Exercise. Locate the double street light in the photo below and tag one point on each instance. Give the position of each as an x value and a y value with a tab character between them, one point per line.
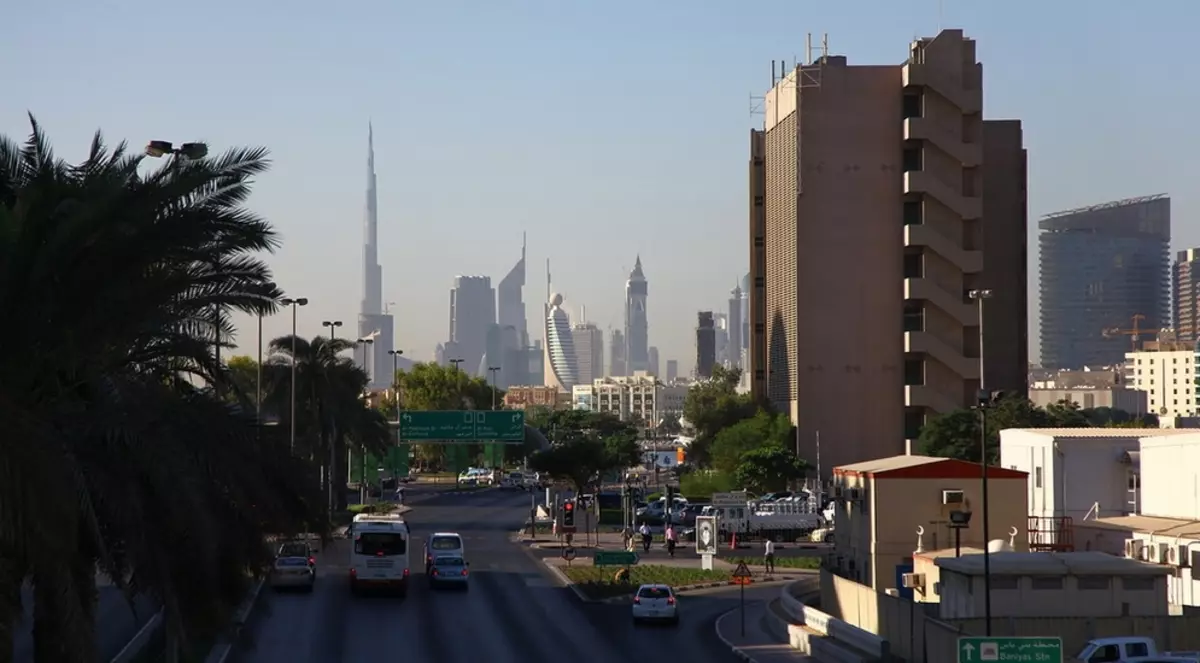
295	303
985	399
333	325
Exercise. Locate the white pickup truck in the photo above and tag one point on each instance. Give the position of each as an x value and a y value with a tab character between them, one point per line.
1131	649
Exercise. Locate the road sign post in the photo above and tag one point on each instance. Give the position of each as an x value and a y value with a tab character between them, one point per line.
568	554
741	575
996	650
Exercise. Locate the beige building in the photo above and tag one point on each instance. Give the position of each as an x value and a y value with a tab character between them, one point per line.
1045	584
885	198
881	503
1117	398
524	396
639	397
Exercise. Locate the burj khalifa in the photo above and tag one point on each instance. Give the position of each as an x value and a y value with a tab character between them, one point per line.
373	322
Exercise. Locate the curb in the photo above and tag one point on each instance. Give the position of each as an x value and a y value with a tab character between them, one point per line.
562	577
737	651
139	641
222	650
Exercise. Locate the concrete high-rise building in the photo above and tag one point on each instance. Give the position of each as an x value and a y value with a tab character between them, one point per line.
1185	274
637	327
616	351
589	351
472	315
733	351
864	174
654	365
721	325
706	344
561	370
672	370
509	342
745	317
1100	267
373	321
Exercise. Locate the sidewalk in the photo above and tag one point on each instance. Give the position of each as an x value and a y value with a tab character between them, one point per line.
757	645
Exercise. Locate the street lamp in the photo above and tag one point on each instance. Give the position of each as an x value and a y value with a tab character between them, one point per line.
364	343
959	520
161	148
295	303
333	325
456	362
493	370
395	381
984	399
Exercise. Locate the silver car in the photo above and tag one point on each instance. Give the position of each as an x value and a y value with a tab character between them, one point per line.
295	566
449	570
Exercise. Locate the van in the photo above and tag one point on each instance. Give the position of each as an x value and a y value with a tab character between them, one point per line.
440	544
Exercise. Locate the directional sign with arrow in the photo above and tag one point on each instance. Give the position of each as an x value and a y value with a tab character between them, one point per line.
994	649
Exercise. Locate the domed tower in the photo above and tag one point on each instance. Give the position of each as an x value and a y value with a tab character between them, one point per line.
637	328
561	370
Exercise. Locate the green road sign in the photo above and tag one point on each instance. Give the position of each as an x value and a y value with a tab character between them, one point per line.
460	426
614	558
500	425
1014	650
452	425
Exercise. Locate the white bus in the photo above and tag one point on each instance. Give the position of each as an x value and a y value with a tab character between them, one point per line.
379	558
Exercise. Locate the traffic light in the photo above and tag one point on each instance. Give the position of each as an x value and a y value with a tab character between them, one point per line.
568	519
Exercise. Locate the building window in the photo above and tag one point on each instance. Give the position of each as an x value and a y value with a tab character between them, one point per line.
914	420
1037	477
760	282
1046	582
911	160
914	316
914	265
913	104
1137	583
760	242
1093	582
914	372
1005	582
758	201
913	213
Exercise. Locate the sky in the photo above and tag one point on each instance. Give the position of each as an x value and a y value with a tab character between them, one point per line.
603	129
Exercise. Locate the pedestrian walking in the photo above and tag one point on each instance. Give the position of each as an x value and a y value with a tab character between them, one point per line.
647	538
769	556
671	540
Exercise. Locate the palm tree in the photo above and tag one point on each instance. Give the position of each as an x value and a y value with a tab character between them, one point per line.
113	459
330	407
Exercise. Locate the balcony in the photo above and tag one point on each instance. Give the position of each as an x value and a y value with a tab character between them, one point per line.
924	75
920	181
970	262
924	129
927	397
928	344
965	313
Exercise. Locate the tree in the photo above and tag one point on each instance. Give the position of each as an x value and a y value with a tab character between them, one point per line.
243	376
431	386
762	430
584	444
769	469
712	406
127	279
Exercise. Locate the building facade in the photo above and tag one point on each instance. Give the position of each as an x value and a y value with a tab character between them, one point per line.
640	397
654	364
589	351
561	370
899	154
756	290
733	351
616	352
672	370
706	344
1167	378
637	325
1104	275
1185	308
472	314
520	397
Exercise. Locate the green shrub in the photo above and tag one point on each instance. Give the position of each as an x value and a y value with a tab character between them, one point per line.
706	483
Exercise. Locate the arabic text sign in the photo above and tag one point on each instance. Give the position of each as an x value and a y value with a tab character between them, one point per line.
1010	650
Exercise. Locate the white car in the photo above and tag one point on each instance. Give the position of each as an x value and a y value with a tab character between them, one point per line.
655	603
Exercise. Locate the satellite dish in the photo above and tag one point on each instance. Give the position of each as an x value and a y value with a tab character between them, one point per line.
999	546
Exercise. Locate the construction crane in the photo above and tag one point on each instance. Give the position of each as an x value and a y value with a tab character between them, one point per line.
1134	332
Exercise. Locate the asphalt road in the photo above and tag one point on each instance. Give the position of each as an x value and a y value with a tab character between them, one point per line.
116	623
514	611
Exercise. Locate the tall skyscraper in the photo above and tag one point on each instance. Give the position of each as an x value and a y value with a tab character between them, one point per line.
511	335
721	325
653	365
1101	266
637	330
617	367
561	370
589	351
706	344
372	321
900	154
472	314
672	370
733	352
1186	304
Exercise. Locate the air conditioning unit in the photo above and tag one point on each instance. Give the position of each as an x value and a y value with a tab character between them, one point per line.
1133	548
1158	553
953	497
855	494
913	581
1179	555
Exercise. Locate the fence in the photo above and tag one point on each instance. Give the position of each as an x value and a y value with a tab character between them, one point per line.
916	634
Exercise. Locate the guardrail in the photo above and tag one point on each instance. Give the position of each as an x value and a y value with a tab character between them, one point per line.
836	632
139	641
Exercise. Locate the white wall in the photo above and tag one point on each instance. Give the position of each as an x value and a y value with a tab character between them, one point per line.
1070	473
1171	476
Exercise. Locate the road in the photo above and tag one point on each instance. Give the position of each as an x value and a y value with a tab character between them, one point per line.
116	623
513	613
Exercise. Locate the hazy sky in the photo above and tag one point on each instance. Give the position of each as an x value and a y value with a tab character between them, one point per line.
602	128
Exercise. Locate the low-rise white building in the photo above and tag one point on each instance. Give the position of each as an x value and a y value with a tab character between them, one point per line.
1168	377
640	397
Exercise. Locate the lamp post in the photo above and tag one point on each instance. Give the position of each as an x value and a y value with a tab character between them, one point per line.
365	344
959	520
980	296
333	325
493	371
295	303
396	388
455	363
